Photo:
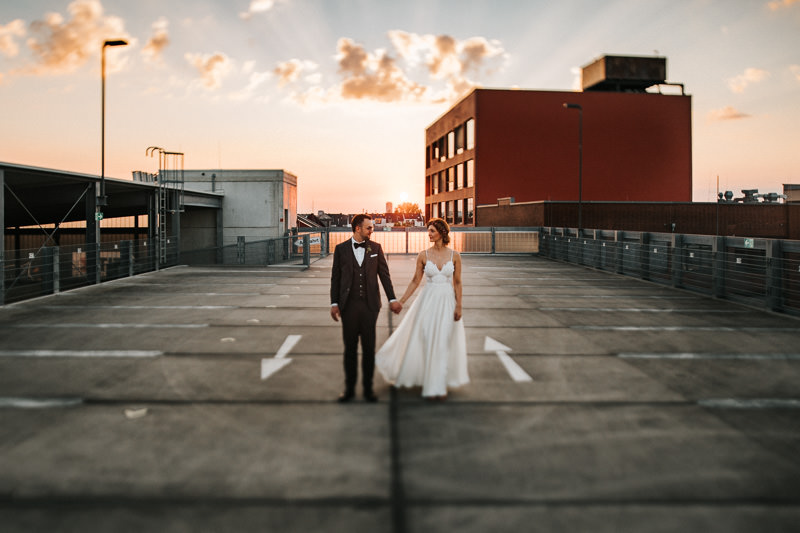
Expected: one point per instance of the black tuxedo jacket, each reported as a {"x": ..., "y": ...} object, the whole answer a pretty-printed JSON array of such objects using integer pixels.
[{"x": 344, "y": 265}]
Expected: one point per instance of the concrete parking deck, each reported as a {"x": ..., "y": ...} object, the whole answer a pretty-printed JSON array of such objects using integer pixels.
[{"x": 139, "y": 405}]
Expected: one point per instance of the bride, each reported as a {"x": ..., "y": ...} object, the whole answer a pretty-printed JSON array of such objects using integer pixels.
[{"x": 429, "y": 346}]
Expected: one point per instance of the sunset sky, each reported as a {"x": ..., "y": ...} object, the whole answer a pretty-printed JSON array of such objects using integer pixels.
[{"x": 339, "y": 92}]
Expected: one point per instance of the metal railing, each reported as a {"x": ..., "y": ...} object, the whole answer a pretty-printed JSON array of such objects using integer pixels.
[
  {"x": 760, "y": 272},
  {"x": 413, "y": 240},
  {"x": 30, "y": 273},
  {"x": 296, "y": 249}
]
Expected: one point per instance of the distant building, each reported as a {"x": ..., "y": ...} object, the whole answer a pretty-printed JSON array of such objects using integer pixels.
[
  {"x": 258, "y": 204},
  {"x": 388, "y": 207},
  {"x": 792, "y": 193},
  {"x": 524, "y": 145}
]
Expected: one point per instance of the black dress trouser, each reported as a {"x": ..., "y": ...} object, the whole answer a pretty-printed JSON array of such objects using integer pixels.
[{"x": 358, "y": 321}]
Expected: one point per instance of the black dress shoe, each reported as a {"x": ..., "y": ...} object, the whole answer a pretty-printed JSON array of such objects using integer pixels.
[
  {"x": 346, "y": 396},
  {"x": 370, "y": 396}
]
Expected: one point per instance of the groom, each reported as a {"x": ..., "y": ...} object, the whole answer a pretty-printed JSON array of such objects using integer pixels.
[{"x": 357, "y": 265}]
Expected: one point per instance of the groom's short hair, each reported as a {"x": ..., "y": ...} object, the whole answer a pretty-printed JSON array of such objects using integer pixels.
[{"x": 358, "y": 220}]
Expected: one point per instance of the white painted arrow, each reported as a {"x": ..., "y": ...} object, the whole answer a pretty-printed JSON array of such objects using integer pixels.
[
  {"x": 513, "y": 369},
  {"x": 270, "y": 366}
]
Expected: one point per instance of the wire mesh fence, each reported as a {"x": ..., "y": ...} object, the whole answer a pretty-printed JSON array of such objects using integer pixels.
[
  {"x": 763, "y": 272},
  {"x": 33, "y": 272},
  {"x": 413, "y": 240}
]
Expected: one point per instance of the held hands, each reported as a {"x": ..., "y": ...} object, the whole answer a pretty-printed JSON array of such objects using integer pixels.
[
  {"x": 335, "y": 314},
  {"x": 396, "y": 307}
]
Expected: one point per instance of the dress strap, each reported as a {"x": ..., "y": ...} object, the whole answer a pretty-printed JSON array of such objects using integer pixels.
[
  {"x": 426, "y": 254},
  {"x": 451, "y": 254}
]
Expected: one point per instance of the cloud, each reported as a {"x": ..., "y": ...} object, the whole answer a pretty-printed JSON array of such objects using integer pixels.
[
  {"x": 381, "y": 75},
  {"x": 257, "y": 7},
  {"x": 8, "y": 46},
  {"x": 726, "y": 113},
  {"x": 373, "y": 76},
  {"x": 778, "y": 4},
  {"x": 448, "y": 58},
  {"x": 291, "y": 70},
  {"x": 739, "y": 83},
  {"x": 255, "y": 80},
  {"x": 211, "y": 67},
  {"x": 63, "y": 46},
  {"x": 158, "y": 40}
]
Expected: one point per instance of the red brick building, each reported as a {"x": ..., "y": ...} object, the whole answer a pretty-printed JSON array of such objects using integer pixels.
[{"x": 522, "y": 144}]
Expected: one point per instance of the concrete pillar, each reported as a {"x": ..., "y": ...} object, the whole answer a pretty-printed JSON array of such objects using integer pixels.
[{"x": 306, "y": 250}]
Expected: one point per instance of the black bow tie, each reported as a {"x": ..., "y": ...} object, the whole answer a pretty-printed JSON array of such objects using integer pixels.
[{"x": 361, "y": 244}]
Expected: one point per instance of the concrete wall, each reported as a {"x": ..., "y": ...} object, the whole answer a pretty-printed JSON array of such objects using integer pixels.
[
  {"x": 255, "y": 203},
  {"x": 198, "y": 229}
]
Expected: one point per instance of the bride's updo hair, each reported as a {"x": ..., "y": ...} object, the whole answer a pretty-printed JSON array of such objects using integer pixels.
[{"x": 442, "y": 227}]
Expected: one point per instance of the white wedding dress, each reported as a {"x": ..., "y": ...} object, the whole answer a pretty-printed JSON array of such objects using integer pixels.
[{"x": 429, "y": 347}]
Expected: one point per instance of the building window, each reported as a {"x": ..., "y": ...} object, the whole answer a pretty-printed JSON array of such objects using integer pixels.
[
  {"x": 451, "y": 145},
  {"x": 440, "y": 210},
  {"x": 448, "y": 207},
  {"x": 460, "y": 141},
  {"x": 457, "y": 171},
  {"x": 442, "y": 148},
  {"x": 469, "y": 173},
  {"x": 468, "y": 211},
  {"x": 434, "y": 151},
  {"x": 470, "y": 126},
  {"x": 435, "y": 183},
  {"x": 451, "y": 184},
  {"x": 427, "y": 157},
  {"x": 457, "y": 218}
]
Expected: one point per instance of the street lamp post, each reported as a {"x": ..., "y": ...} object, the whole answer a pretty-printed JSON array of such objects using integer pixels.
[
  {"x": 580, "y": 161},
  {"x": 102, "y": 199}
]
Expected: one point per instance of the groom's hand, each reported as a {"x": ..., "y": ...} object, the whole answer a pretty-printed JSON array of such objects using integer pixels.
[
  {"x": 335, "y": 312},
  {"x": 396, "y": 307}
]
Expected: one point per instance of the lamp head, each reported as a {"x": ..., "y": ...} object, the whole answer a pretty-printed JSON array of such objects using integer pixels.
[{"x": 117, "y": 42}]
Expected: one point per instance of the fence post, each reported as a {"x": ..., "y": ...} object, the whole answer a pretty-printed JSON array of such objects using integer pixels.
[
  {"x": 240, "y": 250},
  {"x": 306, "y": 250},
  {"x": 494, "y": 232},
  {"x": 677, "y": 260},
  {"x": 406, "y": 245},
  {"x": 644, "y": 255},
  {"x": 49, "y": 272},
  {"x": 126, "y": 256},
  {"x": 718, "y": 267},
  {"x": 774, "y": 277}
]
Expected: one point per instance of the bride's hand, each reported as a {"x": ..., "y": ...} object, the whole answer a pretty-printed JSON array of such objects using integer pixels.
[{"x": 457, "y": 314}]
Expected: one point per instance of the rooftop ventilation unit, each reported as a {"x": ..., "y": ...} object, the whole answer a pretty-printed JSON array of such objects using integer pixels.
[{"x": 624, "y": 74}]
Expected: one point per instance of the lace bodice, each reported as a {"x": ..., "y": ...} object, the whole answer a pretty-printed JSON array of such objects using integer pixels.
[{"x": 434, "y": 275}]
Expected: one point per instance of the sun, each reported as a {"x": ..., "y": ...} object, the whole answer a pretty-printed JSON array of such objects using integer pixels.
[{"x": 403, "y": 197}]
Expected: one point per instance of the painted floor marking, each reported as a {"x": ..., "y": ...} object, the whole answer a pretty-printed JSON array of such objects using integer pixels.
[
  {"x": 639, "y": 310},
  {"x": 81, "y": 353},
  {"x": 712, "y": 356},
  {"x": 274, "y": 364},
  {"x": 110, "y": 326},
  {"x": 751, "y": 403},
  {"x": 685, "y": 328},
  {"x": 39, "y": 403},
  {"x": 141, "y": 307},
  {"x": 514, "y": 370}
]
